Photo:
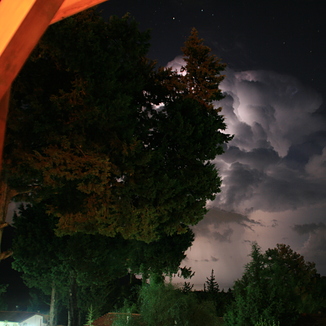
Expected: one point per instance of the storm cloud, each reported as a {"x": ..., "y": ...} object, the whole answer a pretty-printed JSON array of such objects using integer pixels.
[
  {"x": 314, "y": 248},
  {"x": 273, "y": 175},
  {"x": 274, "y": 119},
  {"x": 277, "y": 158},
  {"x": 309, "y": 228}
]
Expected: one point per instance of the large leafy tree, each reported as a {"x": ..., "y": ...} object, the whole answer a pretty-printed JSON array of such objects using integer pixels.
[
  {"x": 84, "y": 133},
  {"x": 36, "y": 250},
  {"x": 81, "y": 270},
  {"x": 276, "y": 286},
  {"x": 79, "y": 102},
  {"x": 77, "y": 271}
]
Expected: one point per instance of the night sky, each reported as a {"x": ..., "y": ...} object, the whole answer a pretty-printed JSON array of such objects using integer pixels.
[{"x": 274, "y": 170}]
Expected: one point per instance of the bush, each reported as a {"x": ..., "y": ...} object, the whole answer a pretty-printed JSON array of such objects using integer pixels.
[{"x": 163, "y": 305}]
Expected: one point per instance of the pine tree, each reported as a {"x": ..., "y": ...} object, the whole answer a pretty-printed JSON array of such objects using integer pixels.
[
  {"x": 187, "y": 287},
  {"x": 211, "y": 289},
  {"x": 202, "y": 71},
  {"x": 211, "y": 285}
]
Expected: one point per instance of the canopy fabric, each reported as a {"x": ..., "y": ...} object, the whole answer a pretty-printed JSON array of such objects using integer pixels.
[{"x": 22, "y": 23}]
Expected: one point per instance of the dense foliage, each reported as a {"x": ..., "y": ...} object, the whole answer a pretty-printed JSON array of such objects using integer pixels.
[
  {"x": 83, "y": 269},
  {"x": 91, "y": 142},
  {"x": 163, "y": 304},
  {"x": 76, "y": 271},
  {"x": 276, "y": 286}
]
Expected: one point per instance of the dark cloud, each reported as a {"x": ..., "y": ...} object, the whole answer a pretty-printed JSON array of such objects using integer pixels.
[
  {"x": 240, "y": 182},
  {"x": 219, "y": 224},
  {"x": 316, "y": 244},
  {"x": 214, "y": 259},
  {"x": 224, "y": 236},
  {"x": 308, "y": 228},
  {"x": 202, "y": 260},
  {"x": 314, "y": 248},
  {"x": 216, "y": 216},
  {"x": 275, "y": 223},
  {"x": 316, "y": 166},
  {"x": 259, "y": 158},
  {"x": 287, "y": 191}
]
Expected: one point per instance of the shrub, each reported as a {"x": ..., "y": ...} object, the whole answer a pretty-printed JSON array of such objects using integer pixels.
[{"x": 163, "y": 305}]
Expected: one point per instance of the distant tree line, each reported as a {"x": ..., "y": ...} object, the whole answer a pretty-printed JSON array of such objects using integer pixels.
[{"x": 278, "y": 287}]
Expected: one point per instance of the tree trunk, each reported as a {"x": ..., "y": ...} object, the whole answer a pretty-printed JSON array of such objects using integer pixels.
[
  {"x": 53, "y": 306},
  {"x": 69, "y": 319},
  {"x": 72, "y": 303},
  {"x": 6, "y": 194}
]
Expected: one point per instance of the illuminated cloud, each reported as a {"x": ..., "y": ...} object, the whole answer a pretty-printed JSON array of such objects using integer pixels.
[
  {"x": 222, "y": 242},
  {"x": 274, "y": 162},
  {"x": 273, "y": 110},
  {"x": 176, "y": 64}
]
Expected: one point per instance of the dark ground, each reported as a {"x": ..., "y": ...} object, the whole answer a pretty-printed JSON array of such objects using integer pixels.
[
  {"x": 17, "y": 294},
  {"x": 313, "y": 320}
]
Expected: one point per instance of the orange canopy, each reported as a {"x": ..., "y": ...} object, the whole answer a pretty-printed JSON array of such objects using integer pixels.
[{"x": 22, "y": 23}]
